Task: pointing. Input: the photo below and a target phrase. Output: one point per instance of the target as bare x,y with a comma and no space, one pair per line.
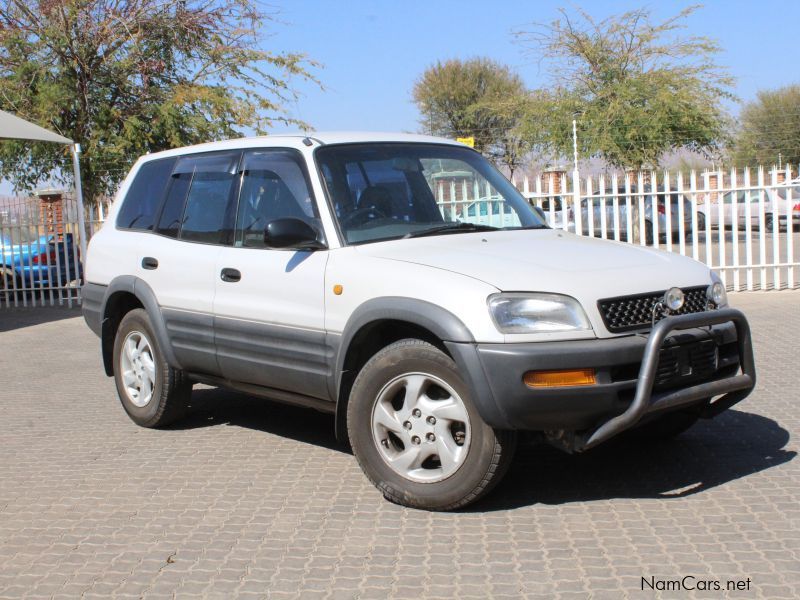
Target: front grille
636,312
686,362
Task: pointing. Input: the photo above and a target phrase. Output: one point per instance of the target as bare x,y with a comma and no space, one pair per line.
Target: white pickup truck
320,270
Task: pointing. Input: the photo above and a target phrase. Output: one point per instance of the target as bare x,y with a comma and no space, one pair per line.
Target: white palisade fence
40,256
744,224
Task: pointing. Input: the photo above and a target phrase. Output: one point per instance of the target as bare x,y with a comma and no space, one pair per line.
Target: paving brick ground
251,499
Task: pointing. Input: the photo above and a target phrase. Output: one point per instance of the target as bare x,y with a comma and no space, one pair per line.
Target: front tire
417,434
151,392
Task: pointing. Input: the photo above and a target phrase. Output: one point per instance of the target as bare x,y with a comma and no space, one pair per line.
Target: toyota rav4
401,283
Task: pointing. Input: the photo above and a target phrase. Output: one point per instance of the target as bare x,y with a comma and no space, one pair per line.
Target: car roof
301,139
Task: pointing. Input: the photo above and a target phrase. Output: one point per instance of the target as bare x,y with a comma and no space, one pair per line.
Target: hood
585,268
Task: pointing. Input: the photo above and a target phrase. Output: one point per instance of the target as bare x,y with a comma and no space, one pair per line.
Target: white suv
345,273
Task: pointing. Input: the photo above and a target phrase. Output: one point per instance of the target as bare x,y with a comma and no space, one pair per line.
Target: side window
198,203
274,186
170,221
141,204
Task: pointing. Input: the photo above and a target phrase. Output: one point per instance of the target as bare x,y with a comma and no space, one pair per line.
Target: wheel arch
126,293
383,321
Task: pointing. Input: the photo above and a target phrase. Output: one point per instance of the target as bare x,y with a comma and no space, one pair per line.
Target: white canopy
14,128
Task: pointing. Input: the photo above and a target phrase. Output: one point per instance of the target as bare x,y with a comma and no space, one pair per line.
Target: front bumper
631,384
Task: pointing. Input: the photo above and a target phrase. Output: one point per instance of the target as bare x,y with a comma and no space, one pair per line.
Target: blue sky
373,51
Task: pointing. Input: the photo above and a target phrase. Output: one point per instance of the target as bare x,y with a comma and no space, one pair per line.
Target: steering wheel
361,216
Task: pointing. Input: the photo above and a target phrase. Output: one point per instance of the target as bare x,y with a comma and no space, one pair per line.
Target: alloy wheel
421,427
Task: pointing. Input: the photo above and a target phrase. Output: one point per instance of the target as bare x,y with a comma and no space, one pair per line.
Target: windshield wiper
454,227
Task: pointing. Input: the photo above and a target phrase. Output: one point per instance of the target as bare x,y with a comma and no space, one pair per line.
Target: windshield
391,190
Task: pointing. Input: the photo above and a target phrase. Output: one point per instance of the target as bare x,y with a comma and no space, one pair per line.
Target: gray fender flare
144,293
442,323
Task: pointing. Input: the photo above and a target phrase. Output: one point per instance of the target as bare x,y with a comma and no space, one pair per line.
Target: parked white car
654,208
319,270
782,200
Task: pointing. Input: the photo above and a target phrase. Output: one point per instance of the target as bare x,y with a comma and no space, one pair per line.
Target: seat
378,198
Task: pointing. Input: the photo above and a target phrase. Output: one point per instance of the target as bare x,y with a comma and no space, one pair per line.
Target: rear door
269,304
179,263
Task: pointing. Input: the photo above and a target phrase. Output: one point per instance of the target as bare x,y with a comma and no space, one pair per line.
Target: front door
269,304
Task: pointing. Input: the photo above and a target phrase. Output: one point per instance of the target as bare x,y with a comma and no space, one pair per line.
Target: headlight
674,298
716,292
537,313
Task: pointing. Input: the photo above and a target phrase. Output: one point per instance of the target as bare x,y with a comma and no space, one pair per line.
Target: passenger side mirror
291,233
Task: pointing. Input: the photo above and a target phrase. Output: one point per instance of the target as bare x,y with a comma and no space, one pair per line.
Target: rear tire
701,223
151,392
417,434
648,233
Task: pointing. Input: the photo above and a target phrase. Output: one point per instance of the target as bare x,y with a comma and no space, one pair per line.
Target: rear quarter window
141,203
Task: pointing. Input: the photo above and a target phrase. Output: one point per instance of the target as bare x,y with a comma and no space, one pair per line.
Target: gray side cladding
92,300
191,336
287,358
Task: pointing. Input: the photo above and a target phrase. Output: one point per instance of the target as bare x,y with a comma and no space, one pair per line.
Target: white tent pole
76,167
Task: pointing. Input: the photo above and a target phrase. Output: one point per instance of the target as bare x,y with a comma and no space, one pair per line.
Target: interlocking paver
251,499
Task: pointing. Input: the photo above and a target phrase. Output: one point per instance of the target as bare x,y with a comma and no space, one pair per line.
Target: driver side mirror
292,233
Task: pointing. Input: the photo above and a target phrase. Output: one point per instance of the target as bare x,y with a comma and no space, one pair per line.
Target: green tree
126,77
477,97
769,129
637,88
510,146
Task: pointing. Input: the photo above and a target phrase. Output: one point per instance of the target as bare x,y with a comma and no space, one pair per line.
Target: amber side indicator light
568,377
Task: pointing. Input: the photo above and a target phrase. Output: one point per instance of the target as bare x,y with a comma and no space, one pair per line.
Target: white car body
458,272
297,318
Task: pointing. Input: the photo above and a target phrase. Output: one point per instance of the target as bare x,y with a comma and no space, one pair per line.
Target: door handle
230,275
150,263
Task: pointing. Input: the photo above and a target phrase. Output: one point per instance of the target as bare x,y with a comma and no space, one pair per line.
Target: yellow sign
469,141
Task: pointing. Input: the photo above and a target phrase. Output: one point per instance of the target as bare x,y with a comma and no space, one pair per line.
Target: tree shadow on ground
19,317
712,453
